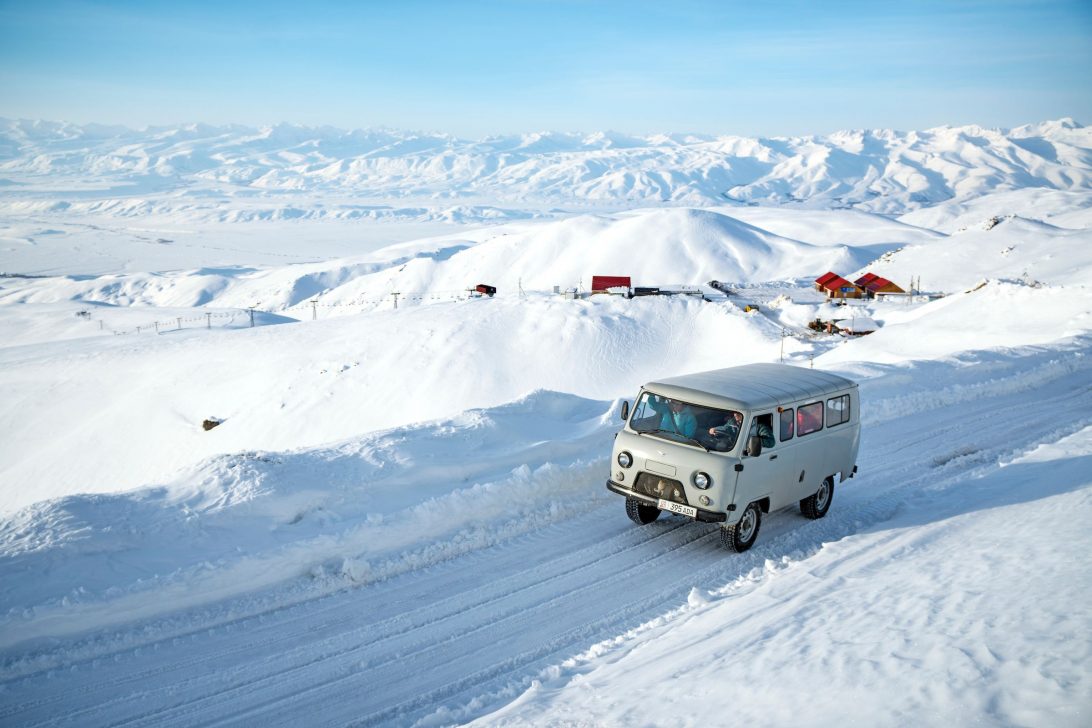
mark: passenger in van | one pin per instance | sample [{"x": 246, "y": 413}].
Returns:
[
  {"x": 761, "y": 426},
  {"x": 675, "y": 416},
  {"x": 680, "y": 419}
]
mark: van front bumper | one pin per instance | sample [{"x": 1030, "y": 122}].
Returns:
[{"x": 703, "y": 515}]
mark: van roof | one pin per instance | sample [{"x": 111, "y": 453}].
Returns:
[{"x": 751, "y": 386}]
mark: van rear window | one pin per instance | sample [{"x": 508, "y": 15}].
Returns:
[{"x": 809, "y": 418}]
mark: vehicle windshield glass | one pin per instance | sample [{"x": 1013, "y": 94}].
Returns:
[{"x": 673, "y": 419}]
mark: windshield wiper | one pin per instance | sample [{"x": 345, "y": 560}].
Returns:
[
  {"x": 654, "y": 430},
  {"x": 695, "y": 440},
  {"x": 640, "y": 431}
]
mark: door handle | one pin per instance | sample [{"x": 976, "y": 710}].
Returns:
[{"x": 773, "y": 457}]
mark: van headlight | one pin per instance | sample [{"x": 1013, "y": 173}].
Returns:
[
  {"x": 702, "y": 481},
  {"x": 625, "y": 459}
]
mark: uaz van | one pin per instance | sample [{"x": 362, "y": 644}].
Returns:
[{"x": 728, "y": 445}]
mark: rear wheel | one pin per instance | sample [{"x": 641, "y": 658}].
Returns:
[
  {"x": 741, "y": 536},
  {"x": 817, "y": 504},
  {"x": 639, "y": 513}
]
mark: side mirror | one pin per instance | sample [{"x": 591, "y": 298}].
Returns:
[
  {"x": 754, "y": 446},
  {"x": 625, "y": 410}
]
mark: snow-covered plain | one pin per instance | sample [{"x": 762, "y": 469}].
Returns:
[{"x": 402, "y": 518}]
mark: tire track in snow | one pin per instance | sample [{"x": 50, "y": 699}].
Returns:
[{"x": 436, "y": 612}]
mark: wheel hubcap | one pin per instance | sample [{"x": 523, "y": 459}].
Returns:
[
  {"x": 822, "y": 496},
  {"x": 747, "y": 525}
]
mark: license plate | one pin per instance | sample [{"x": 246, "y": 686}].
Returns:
[{"x": 665, "y": 505}]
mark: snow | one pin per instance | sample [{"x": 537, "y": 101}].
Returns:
[
  {"x": 402, "y": 518},
  {"x": 870, "y": 629}
]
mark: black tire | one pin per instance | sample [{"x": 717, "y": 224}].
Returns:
[
  {"x": 818, "y": 503},
  {"x": 639, "y": 513},
  {"x": 741, "y": 535}
]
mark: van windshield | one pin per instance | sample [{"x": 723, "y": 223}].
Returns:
[{"x": 673, "y": 419}]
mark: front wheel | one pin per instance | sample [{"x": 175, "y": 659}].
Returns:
[
  {"x": 742, "y": 535},
  {"x": 639, "y": 513},
  {"x": 817, "y": 504}
]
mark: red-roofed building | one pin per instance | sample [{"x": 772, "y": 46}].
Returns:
[
  {"x": 874, "y": 285},
  {"x": 600, "y": 284},
  {"x": 835, "y": 286}
]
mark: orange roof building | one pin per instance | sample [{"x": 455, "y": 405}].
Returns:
[
  {"x": 835, "y": 286},
  {"x": 874, "y": 285}
]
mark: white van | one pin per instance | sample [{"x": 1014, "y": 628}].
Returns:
[{"x": 728, "y": 445}]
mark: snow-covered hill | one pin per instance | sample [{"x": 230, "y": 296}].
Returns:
[{"x": 654, "y": 247}]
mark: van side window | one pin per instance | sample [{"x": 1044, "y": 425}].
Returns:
[
  {"x": 809, "y": 418},
  {"x": 787, "y": 424},
  {"x": 762, "y": 425},
  {"x": 837, "y": 410}
]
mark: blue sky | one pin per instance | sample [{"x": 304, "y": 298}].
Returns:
[{"x": 478, "y": 68}]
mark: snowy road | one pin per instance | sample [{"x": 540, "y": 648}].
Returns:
[{"x": 458, "y": 639}]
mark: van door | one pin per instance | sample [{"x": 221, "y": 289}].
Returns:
[
  {"x": 811, "y": 448},
  {"x": 770, "y": 474}
]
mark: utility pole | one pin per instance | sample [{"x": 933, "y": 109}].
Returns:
[
  {"x": 251, "y": 311},
  {"x": 157, "y": 327},
  {"x": 396, "y": 294},
  {"x": 208, "y": 320},
  {"x": 784, "y": 333},
  {"x": 179, "y": 323},
  {"x": 314, "y": 309}
]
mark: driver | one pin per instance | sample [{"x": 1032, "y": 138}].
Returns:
[{"x": 730, "y": 428}]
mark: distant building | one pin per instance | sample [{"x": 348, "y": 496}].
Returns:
[
  {"x": 603, "y": 284},
  {"x": 873, "y": 286},
  {"x": 834, "y": 286},
  {"x": 859, "y": 325}
]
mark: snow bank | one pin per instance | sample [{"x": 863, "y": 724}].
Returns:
[
  {"x": 380, "y": 505},
  {"x": 140, "y": 400},
  {"x": 1000, "y": 314}
]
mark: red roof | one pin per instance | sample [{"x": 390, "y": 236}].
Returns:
[
  {"x": 866, "y": 279},
  {"x": 873, "y": 282},
  {"x": 602, "y": 283},
  {"x": 834, "y": 282}
]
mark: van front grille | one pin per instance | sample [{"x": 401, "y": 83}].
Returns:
[{"x": 658, "y": 486}]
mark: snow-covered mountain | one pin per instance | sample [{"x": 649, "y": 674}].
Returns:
[{"x": 235, "y": 173}]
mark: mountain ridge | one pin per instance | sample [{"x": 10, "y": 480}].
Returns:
[{"x": 231, "y": 166}]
